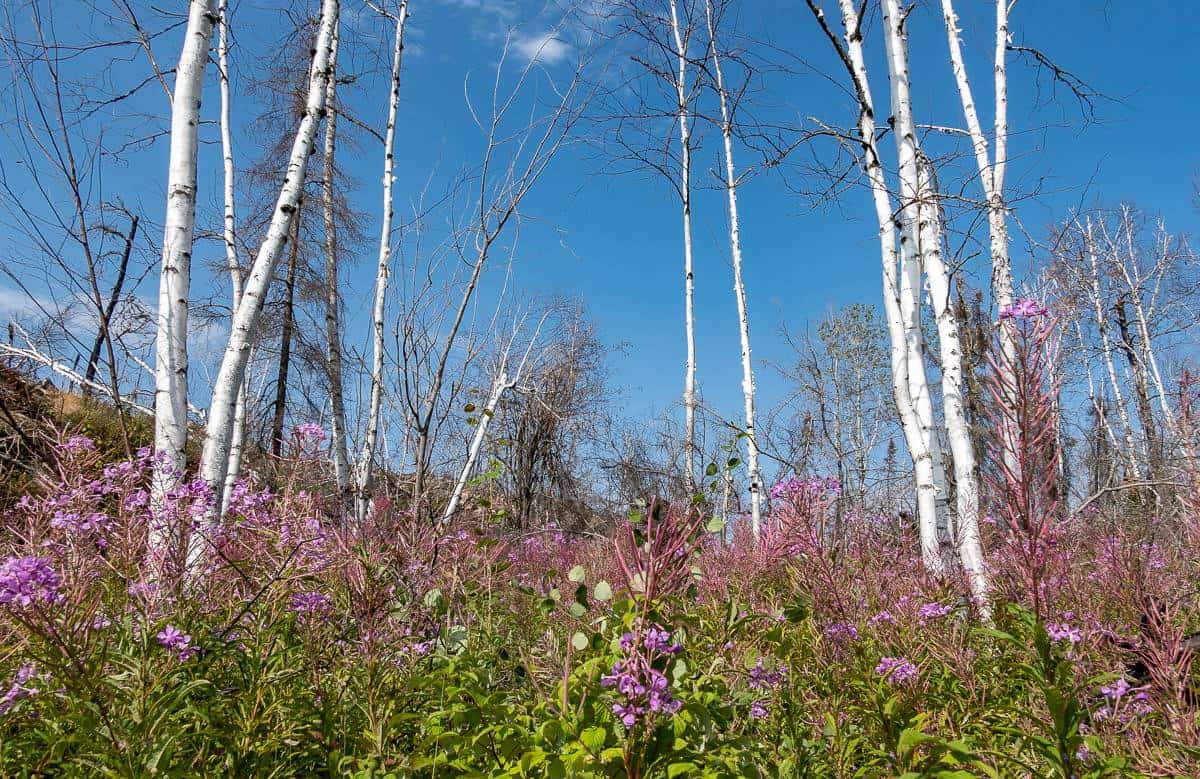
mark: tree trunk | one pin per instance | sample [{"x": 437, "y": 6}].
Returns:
[
  {"x": 285, "y": 339},
  {"x": 962, "y": 449},
  {"x": 102, "y": 333},
  {"x": 171, "y": 358},
  {"x": 1141, "y": 389},
  {"x": 366, "y": 458},
  {"x": 1106, "y": 347},
  {"x": 908, "y": 152},
  {"x": 499, "y": 386},
  {"x": 333, "y": 329},
  {"x": 683, "y": 110},
  {"x": 739, "y": 287},
  {"x": 229, "y": 234},
  {"x": 918, "y": 447},
  {"x": 214, "y": 461}
]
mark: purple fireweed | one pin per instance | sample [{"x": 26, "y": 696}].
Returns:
[
  {"x": 78, "y": 444},
  {"x": 311, "y": 604},
  {"x": 763, "y": 679},
  {"x": 25, "y": 581},
  {"x": 896, "y": 670},
  {"x": 932, "y": 611},
  {"x": 840, "y": 632},
  {"x": 644, "y": 689},
  {"x": 1023, "y": 308},
  {"x": 654, "y": 555},
  {"x": 309, "y": 430},
  {"x": 19, "y": 687},
  {"x": 760, "y": 710},
  {"x": 793, "y": 487},
  {"x": 175, "y": 639},
  {"x": 1061, "y": 631}
]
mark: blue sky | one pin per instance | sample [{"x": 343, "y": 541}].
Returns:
[{"x": 615, "y": 240}]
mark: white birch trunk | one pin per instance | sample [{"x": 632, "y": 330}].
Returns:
[
  {"x": 907, "y": 152},
  {"x": 171, "y": 357},
  {"x": 1106, "y": 348},
  {"x": 923, "y": 470},
  {"x": 966, "y": 529},
  {"x": 739, "y": 288},
  {"x": 991, "y": 172},
  {"x": 366, "y": 462},
  {"x": 214, "y": 460},
  {"x": 333, "y": 330},
  {"x": 499, "y": 387},
  {"x": 934, "y": 524},
  {"x": 685, "y": 191},
  {"x": 229, "y": 235}
]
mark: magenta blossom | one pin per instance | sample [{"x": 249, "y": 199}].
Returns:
[
  {"x": 175, "y": 639},
  {"x": 310, "y": 430},
  {"x": 896, "y": 670},
  {"x": 25, "y": 581},
  {"x": 1061, "y": 631},
  {"x": 1023, "y": 308}
]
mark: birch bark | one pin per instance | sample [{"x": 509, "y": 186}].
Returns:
[
  {"x": 899, "y": 347},
  {"x": 365, "y": 465},
  {"x": 171, "y": 358},
  {"x": 966, "y": 529},
  {"x": 908, "y": 151},
  {"x": 214, "y": 460},
  {"x": 500, "y": 385},
  {"x": 1106, "y": 349},
  {"x": 333, "y": 329},
  {"x": 739, "y": 287},
  {"x": 683, "y": 108},
  {"x": 229, "y": 235}
]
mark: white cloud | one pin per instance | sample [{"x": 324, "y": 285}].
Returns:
[{"x": 546, "y": 48}]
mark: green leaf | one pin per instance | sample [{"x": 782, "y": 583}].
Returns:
[
  {"x": 681, "y": 769},
  {"x": 715, "y": 525},
  {"x": 593, "y": 738},
  {"x": 603, "y": 591},
  {"x": 433, "y": 599},
  {"x": 579, "y": 641},
  {"x": 578, "y": 610},
  {"x": 710, "y": 469},
  {"x": 577, "y": 574}
]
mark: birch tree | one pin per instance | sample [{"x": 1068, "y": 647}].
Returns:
[
  {"x": 171, "y": 358},
  {"x": 653, "y": 119},
  {"x": 214, "y": 461},
  {"x": 366, "y": 460},
  {"x": 991, "y": 168},
  {"x": 681, "y": 34},
  {"x": 229, "y": 238},
  {"x": 921, "y": 228},
  {"x": 333, "y": 330},
  {"x": 739, "y": 287},
  {"x": 897, "y": 294}
]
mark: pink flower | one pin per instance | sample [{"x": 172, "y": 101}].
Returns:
[
  {"x": 1023, "y": 308},
  {"x": 309, "y": 430},
  {"x": 28, "y": 580},
  {"x": 896, "y": 670}
]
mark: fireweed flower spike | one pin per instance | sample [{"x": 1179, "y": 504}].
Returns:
[
  {"x": 644, "y": 689},
  {"x": 173, "y": 638},
  {"x": 896, "y": 670},
  {"x": 26, "y": 581},
  {"x": 309, "y": 430},
  {"x": 1024, "y": 308}
]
